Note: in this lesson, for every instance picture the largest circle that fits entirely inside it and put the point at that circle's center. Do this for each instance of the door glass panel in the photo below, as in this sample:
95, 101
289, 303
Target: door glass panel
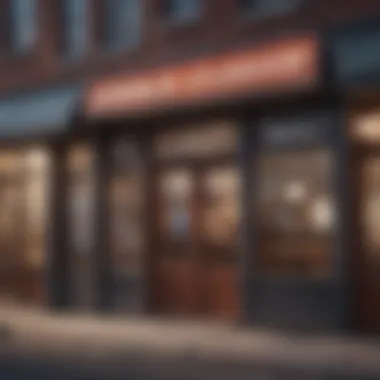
296, 213
176, 191
80, 225
126, 202
221, 211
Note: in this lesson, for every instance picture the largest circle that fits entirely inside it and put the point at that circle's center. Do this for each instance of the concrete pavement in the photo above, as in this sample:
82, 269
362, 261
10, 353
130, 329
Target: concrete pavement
157, 347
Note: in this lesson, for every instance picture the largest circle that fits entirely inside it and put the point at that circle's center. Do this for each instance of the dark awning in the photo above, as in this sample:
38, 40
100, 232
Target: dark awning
47, 111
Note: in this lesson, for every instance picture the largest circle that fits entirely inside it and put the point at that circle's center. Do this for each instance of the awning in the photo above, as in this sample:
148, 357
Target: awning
47, 111
356, 54
286, 65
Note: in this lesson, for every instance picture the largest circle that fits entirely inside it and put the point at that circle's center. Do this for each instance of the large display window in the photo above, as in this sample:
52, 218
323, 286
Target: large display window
297, 213
24, 188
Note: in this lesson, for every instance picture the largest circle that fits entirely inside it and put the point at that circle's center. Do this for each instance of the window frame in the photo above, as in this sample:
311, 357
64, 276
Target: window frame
21, 42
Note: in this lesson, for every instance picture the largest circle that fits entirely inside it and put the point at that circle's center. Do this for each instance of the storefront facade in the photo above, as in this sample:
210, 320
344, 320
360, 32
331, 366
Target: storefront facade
30, 122
356, 59
239, 197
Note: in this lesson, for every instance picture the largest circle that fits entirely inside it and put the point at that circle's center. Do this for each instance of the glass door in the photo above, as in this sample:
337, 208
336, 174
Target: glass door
220, 215
177, 282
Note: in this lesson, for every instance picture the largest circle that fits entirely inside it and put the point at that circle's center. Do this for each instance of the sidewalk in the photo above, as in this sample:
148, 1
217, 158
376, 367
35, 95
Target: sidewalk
91, 339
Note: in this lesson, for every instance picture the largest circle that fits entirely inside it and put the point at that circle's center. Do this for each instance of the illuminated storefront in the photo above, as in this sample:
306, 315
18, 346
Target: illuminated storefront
30, 125
232, 212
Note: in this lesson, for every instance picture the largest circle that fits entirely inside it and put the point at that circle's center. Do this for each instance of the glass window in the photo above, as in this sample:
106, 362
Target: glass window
262, 8
75, 27
183, 10
200, 141
23, 220
221, 211
296, 211
24, 24
122, 23
37, 162
176, 190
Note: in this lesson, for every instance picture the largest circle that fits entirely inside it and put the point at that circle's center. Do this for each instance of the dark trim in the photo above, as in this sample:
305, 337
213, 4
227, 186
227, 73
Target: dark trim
101, 246
57, 260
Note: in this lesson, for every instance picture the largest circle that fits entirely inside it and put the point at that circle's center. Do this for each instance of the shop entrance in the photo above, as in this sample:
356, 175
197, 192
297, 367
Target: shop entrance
367, 256
196, 241
23, 209
197, 202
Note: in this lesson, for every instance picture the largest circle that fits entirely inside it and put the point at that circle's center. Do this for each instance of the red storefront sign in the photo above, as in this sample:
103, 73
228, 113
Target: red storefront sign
277, 66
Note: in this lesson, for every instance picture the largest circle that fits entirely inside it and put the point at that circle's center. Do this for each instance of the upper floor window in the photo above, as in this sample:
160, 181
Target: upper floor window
122, 23
23, 25
182, 10
74, 27
262, 8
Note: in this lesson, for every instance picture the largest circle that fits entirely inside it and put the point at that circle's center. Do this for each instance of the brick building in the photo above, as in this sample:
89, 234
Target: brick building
191, 158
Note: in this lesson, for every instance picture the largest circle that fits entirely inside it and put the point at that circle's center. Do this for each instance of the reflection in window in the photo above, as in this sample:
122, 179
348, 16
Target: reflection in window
296, 212
221, 209
176, 191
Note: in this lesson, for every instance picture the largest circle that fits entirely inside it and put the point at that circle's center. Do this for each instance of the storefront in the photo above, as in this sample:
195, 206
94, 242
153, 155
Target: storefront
356, 61
237, 191
29, 124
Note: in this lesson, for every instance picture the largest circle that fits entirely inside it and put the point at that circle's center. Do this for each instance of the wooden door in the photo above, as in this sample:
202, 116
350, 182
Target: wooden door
177, 269
368, 249
220, 213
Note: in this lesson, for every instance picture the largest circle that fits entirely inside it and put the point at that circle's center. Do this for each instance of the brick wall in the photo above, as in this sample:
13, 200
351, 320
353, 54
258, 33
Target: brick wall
222, 25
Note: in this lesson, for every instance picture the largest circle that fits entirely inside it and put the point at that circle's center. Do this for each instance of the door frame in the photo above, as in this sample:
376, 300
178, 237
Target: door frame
197, 165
